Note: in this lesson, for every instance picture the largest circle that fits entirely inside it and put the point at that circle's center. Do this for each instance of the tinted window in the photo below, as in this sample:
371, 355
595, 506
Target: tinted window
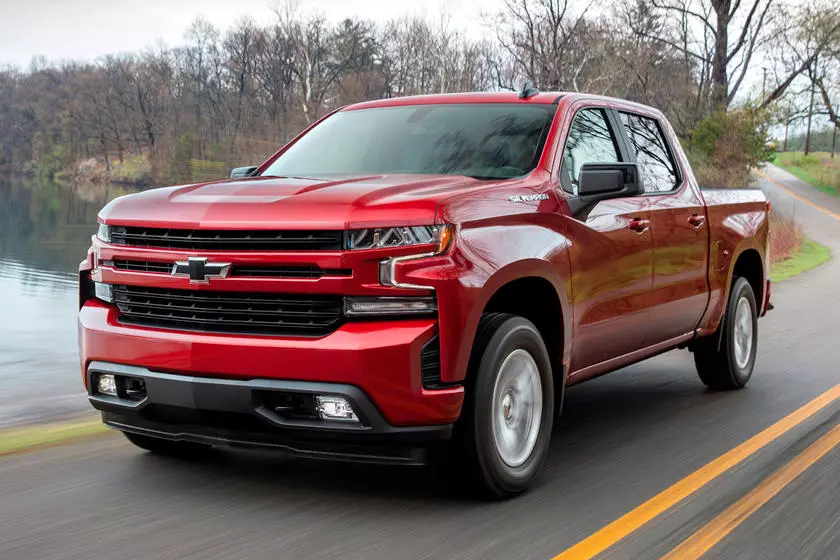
590, 141
497, 141
652, 155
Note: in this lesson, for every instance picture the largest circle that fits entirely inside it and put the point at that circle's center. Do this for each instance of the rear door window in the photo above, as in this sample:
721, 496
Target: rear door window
651, 150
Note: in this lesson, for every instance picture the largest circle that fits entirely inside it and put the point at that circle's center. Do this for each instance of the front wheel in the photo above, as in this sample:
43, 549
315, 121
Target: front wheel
504, 432
726, 361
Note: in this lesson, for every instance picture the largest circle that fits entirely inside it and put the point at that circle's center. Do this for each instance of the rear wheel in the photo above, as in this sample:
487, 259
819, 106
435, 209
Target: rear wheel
161, 446
505, 428
726, 361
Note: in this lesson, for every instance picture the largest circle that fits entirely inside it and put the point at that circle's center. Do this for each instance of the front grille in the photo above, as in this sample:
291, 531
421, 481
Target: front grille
289, 271
240, 271
229, 312
142, 266
227, 240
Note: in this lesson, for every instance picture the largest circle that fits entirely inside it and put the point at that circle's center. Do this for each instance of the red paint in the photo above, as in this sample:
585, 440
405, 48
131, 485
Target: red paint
634, 276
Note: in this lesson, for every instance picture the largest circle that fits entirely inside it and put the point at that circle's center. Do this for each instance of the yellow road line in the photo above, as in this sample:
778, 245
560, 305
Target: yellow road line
797, 196
700, 542
631, 521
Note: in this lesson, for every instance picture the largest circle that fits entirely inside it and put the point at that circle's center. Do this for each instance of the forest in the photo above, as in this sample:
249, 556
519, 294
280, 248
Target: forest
725, 72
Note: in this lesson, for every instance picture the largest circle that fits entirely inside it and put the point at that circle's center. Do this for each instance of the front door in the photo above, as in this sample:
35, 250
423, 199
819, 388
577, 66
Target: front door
611, 251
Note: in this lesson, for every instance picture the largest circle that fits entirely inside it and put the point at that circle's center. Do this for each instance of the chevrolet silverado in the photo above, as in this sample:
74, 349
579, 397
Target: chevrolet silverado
419, 280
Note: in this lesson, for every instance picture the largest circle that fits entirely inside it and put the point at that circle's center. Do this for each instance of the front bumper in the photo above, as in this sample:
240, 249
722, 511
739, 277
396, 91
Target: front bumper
242, 413
379, 358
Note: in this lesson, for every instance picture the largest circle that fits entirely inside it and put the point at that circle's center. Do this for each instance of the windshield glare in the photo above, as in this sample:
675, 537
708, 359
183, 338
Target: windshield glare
488, 141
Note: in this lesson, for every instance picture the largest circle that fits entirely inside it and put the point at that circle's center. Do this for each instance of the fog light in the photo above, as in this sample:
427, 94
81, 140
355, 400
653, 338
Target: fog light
105, 292
107, 385
335, 408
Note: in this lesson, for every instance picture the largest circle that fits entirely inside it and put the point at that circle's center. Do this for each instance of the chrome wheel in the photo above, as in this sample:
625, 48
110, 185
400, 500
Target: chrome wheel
743, 333
517, 408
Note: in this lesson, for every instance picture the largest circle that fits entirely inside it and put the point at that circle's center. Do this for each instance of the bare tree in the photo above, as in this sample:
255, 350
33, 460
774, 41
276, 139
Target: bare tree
719, 37
806, 34
538, 36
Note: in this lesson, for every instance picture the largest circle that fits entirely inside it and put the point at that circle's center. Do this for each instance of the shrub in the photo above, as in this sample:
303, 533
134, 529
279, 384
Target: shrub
182, 155
803, 161
785, 237
724, 147
49, 159
88, 170
134, 170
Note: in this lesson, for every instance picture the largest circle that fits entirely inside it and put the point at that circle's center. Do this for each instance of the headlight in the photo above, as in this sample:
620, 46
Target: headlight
378, 238
104, 233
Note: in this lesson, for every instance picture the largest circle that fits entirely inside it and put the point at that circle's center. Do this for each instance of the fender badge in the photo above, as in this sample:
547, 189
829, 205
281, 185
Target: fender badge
528, 197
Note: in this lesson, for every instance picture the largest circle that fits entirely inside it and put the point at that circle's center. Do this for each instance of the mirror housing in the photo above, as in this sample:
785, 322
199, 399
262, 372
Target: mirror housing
240, 172
602, 181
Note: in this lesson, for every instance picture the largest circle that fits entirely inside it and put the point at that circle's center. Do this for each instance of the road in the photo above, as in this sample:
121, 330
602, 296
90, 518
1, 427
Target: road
622, 440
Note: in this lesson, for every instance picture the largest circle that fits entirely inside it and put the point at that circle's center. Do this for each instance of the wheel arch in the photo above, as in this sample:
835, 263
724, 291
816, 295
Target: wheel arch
749, 265
535, 291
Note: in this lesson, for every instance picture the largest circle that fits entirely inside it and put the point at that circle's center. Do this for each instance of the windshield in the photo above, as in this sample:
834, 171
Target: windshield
488, 141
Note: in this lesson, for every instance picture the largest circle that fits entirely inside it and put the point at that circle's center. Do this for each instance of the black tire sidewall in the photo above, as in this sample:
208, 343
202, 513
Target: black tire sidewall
514, 333
741, 288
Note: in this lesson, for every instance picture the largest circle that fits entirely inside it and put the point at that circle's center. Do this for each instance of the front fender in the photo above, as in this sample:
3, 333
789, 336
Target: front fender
483, 260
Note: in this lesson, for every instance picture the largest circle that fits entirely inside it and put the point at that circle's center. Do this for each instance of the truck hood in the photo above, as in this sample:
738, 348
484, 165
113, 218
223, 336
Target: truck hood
291, 202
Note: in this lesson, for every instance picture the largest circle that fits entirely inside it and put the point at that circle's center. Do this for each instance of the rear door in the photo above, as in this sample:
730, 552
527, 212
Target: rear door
678, 226
611, 249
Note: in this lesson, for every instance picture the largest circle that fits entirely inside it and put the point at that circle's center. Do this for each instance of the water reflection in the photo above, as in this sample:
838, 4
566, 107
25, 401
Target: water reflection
45, 231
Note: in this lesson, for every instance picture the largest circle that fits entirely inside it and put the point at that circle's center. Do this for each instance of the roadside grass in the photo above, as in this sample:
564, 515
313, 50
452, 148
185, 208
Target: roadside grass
808, 255
14, 440
817, 169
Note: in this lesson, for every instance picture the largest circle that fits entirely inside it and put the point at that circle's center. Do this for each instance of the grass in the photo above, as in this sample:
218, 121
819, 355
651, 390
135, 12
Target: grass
15, 440
818, 169
810, 254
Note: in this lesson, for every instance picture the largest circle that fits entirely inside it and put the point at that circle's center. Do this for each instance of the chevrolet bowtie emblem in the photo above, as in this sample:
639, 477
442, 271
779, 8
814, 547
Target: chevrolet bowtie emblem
199, 270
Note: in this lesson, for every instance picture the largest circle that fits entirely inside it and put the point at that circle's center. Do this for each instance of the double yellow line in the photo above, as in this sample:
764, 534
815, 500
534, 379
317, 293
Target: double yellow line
797, 196
633, 520
713, 532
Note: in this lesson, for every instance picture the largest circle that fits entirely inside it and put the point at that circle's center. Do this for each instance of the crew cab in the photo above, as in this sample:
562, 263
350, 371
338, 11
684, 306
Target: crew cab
419, 280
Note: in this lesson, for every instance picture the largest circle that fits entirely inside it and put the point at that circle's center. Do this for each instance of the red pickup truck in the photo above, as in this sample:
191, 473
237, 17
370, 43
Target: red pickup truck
419, 279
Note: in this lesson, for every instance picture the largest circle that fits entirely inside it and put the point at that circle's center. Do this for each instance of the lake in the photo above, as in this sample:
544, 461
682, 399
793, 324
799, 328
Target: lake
45, 230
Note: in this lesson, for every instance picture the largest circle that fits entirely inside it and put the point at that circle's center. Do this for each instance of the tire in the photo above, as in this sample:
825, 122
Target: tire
160, 446
725, 361
509, 366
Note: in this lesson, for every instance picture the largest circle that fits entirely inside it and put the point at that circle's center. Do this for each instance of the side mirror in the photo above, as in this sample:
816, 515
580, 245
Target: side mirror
239, 172
602, 181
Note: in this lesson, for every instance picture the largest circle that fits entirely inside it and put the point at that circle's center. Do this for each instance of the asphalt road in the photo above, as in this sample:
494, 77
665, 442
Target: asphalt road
622, 439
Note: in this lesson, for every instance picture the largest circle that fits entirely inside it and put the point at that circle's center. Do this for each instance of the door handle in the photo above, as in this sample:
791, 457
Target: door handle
638, 225
697, 220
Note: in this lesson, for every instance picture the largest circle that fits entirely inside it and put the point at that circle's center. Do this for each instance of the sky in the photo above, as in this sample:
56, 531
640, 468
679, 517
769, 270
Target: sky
86, 29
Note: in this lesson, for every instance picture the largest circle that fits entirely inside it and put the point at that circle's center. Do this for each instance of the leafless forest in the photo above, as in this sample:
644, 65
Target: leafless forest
226, 98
